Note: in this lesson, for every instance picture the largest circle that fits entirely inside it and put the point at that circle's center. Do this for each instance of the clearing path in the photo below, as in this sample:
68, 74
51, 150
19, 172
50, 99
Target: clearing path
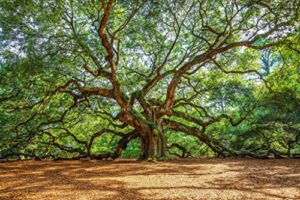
128, 179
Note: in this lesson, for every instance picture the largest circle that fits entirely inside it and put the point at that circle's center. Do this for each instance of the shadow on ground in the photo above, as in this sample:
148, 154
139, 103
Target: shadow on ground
128, 179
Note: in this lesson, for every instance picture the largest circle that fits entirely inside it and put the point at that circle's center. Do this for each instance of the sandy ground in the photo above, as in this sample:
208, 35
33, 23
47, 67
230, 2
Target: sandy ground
128, 179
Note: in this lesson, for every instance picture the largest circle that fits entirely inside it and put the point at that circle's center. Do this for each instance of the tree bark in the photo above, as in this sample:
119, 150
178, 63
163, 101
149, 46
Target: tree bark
153, 146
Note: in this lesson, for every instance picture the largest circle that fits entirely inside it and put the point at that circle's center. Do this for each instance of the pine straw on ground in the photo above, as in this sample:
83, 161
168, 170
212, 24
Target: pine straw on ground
129, 179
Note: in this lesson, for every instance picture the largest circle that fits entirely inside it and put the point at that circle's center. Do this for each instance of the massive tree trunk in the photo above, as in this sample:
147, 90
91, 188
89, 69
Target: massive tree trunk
150, 130
144, 148
153, 145
163, 145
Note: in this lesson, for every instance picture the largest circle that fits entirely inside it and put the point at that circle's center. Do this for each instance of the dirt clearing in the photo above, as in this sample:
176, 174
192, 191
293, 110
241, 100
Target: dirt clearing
128, 179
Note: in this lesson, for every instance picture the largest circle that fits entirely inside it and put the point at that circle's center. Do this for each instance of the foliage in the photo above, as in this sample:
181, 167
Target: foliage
149, 79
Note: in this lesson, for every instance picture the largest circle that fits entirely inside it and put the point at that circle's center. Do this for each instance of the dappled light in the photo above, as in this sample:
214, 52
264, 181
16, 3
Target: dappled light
180, 179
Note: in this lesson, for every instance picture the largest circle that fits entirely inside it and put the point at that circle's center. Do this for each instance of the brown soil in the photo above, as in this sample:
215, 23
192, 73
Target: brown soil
128, 179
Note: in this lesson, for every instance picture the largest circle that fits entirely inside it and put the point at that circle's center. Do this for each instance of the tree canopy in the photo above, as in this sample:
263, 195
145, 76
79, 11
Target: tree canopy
149, 79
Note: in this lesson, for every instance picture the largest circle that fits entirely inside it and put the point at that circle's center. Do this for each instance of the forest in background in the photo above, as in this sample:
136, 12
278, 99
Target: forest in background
104, 79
